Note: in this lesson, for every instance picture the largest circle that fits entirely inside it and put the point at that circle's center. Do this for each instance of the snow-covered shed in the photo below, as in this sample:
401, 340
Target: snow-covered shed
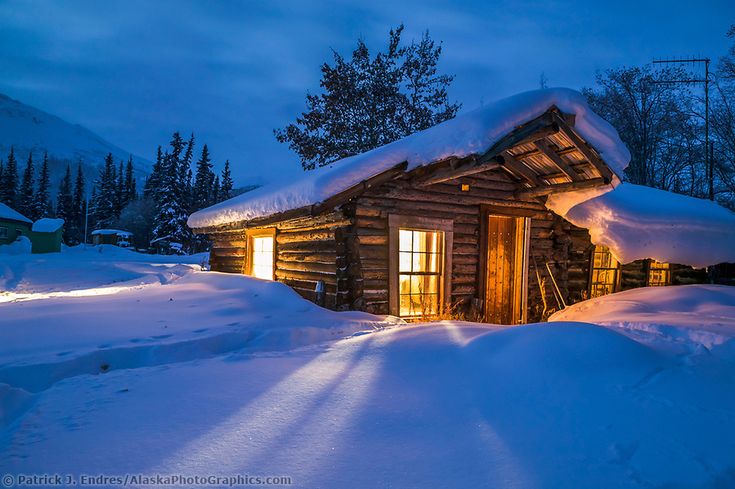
117, 237
46, 235
12, 224
450, 217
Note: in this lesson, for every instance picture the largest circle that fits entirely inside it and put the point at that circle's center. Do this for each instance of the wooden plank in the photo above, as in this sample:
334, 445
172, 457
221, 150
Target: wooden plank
546, 149
560, 187
519, 169
451, 173
540, 127
588, 152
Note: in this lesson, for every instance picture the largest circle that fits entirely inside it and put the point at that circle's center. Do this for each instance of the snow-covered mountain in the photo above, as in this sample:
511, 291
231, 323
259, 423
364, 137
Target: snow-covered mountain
28, 129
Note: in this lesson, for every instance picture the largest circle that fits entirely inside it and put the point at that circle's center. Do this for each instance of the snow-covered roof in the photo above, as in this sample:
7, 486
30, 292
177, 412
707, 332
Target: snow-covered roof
47, 225
8, 213
467, 134
117, 232
638, 222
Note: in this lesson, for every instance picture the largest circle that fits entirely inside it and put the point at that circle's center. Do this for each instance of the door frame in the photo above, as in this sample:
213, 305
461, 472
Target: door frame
487, 210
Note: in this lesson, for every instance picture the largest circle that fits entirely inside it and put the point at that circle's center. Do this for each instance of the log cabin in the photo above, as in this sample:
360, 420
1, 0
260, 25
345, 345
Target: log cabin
450, 221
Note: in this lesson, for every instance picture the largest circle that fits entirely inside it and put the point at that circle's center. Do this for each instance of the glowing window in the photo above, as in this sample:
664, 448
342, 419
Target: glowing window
261, 257
604, 275
659, 274
419, 272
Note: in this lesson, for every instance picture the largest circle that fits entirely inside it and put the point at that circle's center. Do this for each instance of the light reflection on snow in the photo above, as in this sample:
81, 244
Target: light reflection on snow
329, 389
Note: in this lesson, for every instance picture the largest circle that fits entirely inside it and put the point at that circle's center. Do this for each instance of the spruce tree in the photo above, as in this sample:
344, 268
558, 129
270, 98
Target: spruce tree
369, 101
216, 190
120, 193
9, 188
171, 198
203, 181
105, 201
130, 191
43, 198
225, 190
2, 179
154, 180
64, 206
26, 198
75, 225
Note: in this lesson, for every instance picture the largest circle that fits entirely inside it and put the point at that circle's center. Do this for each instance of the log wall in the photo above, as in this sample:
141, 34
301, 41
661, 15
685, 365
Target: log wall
367, 239
307, 251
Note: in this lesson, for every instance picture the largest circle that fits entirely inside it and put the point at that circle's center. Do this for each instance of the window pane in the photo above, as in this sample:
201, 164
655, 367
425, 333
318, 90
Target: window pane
604, 272
405, 240
404, 262
262, 257
419, 263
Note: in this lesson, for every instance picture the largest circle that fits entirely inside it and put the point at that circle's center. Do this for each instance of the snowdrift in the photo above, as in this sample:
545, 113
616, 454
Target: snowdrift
638, 222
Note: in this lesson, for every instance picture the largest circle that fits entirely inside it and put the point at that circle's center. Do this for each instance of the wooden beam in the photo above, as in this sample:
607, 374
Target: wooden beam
519, 169
549, 152
560, 187
589, 153
535, 151
450, 173
539, 127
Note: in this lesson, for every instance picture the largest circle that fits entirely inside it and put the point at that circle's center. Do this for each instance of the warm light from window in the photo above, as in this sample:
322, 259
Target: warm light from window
659, 274
604, 272
262, 257
419, 272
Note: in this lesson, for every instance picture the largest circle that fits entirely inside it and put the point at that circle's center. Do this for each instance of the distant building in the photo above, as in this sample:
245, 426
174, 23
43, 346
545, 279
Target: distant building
13, 224
46, 235
116, 237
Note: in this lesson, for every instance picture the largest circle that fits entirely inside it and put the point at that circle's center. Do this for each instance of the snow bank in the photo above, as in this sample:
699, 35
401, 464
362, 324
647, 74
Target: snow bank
638, 222
84, 268
47, 225
8, 213
471, 133
104, 306
691, 315
21, 246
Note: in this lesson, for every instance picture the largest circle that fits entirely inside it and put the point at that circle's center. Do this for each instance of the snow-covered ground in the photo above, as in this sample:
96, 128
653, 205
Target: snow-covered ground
205, 373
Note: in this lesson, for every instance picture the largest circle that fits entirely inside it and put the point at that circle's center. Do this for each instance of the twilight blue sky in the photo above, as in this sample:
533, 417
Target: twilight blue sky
135, 70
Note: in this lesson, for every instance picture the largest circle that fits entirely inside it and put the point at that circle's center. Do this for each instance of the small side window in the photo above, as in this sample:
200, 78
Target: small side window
261, 254
659, 274
3, 232
604, 272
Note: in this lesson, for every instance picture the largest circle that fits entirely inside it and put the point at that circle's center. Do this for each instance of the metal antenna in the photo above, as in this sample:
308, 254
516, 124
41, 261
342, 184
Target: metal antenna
709, 161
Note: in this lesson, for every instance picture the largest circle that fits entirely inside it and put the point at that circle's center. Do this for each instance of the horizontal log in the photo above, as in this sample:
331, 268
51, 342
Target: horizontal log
240, 252
312, 276
379, 239
301, 236
306, 257
311, 247
371, 222
306, 267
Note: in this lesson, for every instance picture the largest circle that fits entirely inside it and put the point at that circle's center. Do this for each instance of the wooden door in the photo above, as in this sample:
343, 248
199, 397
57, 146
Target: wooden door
505, 269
